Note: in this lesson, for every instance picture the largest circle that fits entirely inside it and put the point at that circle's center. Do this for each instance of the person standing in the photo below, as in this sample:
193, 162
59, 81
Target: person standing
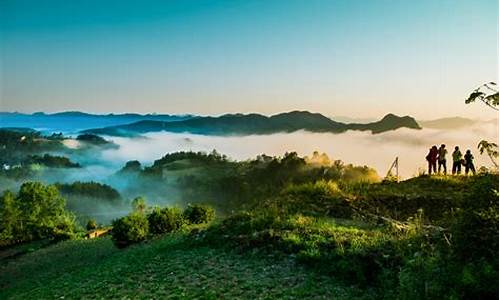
432, 159
469, 163
457, 161
442, 158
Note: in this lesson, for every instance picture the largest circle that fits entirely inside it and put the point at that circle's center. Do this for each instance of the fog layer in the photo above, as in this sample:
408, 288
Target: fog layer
360, 148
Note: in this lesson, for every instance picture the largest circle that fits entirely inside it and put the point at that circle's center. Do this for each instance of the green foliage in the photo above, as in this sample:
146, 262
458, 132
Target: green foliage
475, 226
139, 205
130, 229
199, 214
425, 238
229, 185
465, 264
165, 220
92, 138
91, 224
211, 159
10, 214
89, 189
36, 212
355, 255
437, 196
52, 161
133, 166
166, 267
416, 260
16, 145
318, 198
17, 172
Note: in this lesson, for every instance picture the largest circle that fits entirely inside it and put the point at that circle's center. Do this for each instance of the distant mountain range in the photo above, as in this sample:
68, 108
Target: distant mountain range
75, 121
246, 124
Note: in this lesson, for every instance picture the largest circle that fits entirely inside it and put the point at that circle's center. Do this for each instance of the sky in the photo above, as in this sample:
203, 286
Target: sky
357, 58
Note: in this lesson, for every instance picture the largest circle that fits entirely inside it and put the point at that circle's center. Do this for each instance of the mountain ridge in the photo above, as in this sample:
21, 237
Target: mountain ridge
247, 124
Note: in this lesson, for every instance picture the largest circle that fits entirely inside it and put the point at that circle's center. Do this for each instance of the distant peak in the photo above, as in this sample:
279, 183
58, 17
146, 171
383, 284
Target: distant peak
390, 116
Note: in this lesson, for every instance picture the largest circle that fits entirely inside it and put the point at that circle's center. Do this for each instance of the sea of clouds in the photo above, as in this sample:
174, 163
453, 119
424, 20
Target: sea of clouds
356, 147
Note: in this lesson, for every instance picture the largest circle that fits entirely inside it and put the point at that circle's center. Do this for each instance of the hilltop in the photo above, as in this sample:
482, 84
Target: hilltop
247, 124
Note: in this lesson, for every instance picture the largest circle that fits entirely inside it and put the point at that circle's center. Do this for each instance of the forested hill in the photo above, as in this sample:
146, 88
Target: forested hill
245, 124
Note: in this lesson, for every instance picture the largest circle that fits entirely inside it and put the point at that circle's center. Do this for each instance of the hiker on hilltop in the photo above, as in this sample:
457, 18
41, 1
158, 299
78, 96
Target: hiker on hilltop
432, 159
442, 158
469, 164
457, 161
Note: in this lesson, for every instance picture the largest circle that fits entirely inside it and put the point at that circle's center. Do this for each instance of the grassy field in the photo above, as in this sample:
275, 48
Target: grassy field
169, 267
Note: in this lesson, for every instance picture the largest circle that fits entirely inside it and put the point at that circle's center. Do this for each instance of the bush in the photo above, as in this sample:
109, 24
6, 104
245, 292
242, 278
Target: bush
198, 214
91, 224
165, 220
130, 229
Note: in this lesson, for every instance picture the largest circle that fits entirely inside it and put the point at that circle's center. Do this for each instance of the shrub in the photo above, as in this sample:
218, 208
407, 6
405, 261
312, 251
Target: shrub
139, 205
198, 214
91, 224
130, 229
165, 220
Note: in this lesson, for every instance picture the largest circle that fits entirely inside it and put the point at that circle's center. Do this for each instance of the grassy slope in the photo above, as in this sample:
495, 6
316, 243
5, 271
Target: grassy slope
162, 268
171, 267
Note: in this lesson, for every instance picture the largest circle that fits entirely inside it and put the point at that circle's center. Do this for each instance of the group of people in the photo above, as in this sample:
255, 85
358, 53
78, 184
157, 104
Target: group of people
437, 157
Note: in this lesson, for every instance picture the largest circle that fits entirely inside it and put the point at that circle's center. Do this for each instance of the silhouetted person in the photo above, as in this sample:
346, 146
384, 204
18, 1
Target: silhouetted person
442, 158
457, 161
469, 163
432, 159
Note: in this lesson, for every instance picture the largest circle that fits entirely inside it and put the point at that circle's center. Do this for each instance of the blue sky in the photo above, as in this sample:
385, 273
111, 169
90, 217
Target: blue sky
359, 58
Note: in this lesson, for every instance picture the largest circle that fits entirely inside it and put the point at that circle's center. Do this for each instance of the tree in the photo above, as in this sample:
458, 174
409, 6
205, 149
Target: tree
43, 211
131, 166
91, 224
9, 216
36, 212
488, 94
130, 229
139, 205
